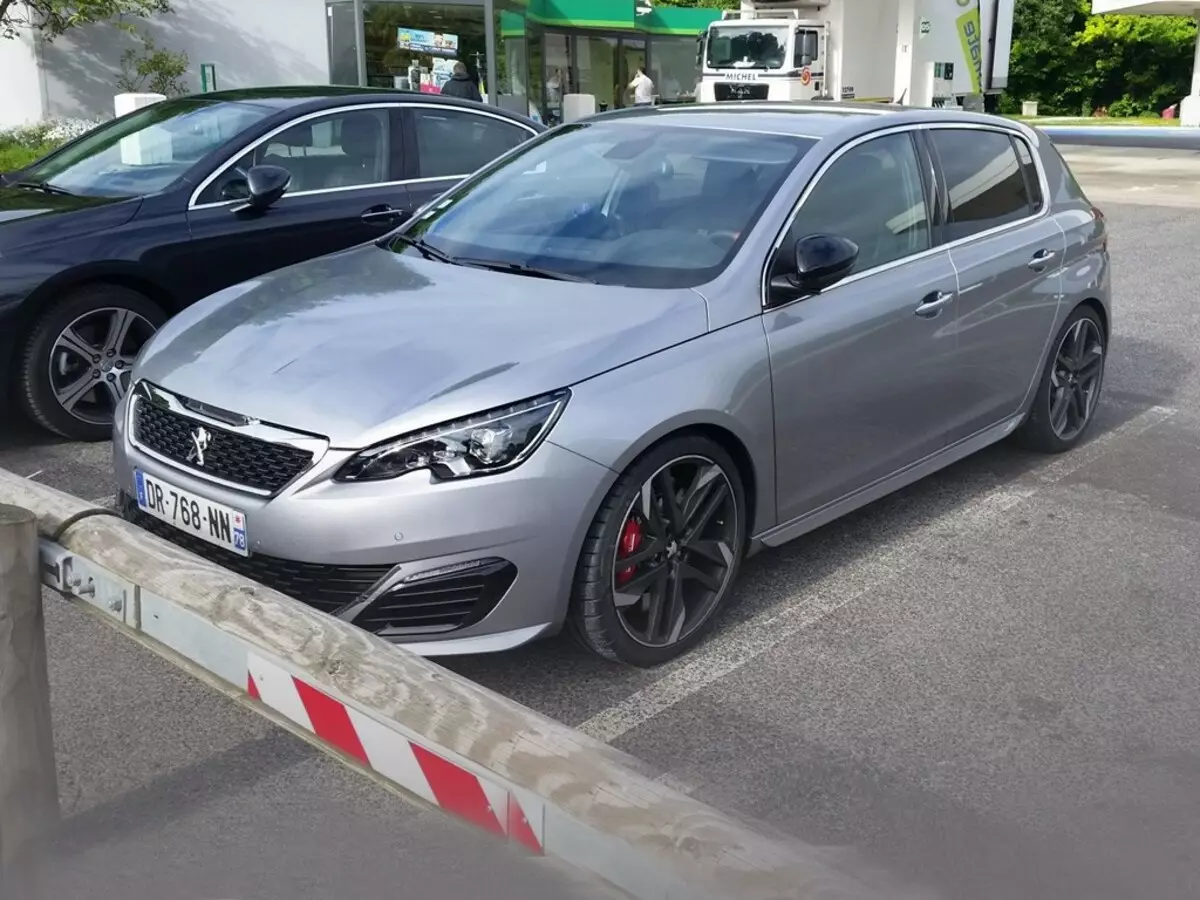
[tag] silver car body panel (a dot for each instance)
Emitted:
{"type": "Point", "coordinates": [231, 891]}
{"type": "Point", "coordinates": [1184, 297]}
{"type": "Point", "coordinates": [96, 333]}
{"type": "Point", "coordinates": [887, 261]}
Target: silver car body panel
{"type": "Point", "coordinates": [829, 402]}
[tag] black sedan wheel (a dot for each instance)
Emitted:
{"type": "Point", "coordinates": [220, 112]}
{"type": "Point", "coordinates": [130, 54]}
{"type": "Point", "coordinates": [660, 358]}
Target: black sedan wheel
{"type": "Point", "coordinates": [661, 555]}
{"type": "Point", "coordinates": [77, 362]}
{"type": "Point", "coordinates": [1069, 392]}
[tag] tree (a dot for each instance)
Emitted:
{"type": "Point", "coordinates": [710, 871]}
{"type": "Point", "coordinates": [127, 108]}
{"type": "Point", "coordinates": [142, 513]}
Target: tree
{"type": "Point", "coordinates": [151, 68]}
{"type": "Point", "coordinates": [1137, 65]}
{"type": "Point", "coordinates": [1073, 63]}
{"type": "Point", "coordinates": [51, 18]}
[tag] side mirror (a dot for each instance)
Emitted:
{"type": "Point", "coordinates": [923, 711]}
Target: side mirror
{"type": "Point", "coordinates": [264, 185]}
{"type": "Point", "coordinates": [805, 60]}
{"type": "Point", "coordinates": [822, 260]}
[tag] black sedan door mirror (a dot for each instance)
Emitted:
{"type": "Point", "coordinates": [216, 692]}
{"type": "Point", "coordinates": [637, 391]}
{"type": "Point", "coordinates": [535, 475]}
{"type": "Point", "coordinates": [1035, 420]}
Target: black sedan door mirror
{"type": "Point", "coordinates": [821, 261]}
{"type": "Point", "coordinates": [264, 185]}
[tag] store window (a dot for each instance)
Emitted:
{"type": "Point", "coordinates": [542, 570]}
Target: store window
{"type": "Point", "coordinates": [556, 75]}
{"type": "Point", "coordinates": [343, 50]}
{"type": "Point", "coordinates": [514, 89]}
{"type": "Point", "coordinates": [673, 68]}
{"type": "Point", "coordinates": [413, 46]}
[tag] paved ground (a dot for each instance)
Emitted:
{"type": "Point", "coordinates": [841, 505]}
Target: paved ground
{"type": "Point", "coordinates": [987, 683]}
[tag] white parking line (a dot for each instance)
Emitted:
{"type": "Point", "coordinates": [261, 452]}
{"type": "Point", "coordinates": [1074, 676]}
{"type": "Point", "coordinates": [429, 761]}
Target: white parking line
{"type": "Point", "coordinates": [729, 651]}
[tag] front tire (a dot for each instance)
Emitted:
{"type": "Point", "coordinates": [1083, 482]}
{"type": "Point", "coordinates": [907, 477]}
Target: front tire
{"type": "Point", "coordinates": [1069, 392]}
{"type": "Point", "coordinates": [76, 364]}
{"type": "Point", "coordinates": [661, 555]}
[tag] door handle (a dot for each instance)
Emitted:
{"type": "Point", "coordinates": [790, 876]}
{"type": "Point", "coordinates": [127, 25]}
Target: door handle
{"type": "Point", "coordinates": [932, 305]}
{"type": "Point", "coordinates": [384, 214]}
{"type": "Point", "coordinates": [1041, 259]}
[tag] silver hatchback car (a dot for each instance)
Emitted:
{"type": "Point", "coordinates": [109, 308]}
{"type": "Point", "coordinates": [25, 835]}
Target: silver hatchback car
{"type": "Point", "coordinates": [578, 389]}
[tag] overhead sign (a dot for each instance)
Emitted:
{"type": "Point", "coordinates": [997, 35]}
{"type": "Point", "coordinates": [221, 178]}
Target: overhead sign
{"type": "Point", "coordinates": [434, 42]}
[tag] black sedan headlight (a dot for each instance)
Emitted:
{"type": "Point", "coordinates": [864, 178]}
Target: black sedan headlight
{"type": "Point", "coordinates": [480, 445]}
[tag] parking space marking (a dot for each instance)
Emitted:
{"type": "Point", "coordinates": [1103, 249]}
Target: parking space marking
{"type": "Point", "coordinates": [727, 652]}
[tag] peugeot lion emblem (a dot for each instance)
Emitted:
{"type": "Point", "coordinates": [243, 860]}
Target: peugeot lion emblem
{"type": "Point", "coordinates": [200, 441]}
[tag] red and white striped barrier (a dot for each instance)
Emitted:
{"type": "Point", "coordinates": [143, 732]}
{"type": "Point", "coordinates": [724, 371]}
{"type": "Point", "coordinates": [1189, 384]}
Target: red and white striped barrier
{"type": "Point", "coordinates": [505, 812]}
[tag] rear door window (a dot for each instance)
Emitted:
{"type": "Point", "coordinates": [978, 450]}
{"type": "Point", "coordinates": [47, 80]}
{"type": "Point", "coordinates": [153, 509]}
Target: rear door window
{"type": "Point", "coordinates": [453, 143]}
{"type": "Point", "coordinates": [986, 183]}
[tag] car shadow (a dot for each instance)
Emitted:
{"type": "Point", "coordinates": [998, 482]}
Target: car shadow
{"type": "Point", "coordinates": [564, 681]}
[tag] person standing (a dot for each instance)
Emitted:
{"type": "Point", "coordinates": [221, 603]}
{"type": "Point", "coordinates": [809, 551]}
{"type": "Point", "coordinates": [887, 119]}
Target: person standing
{"type": "Point", "coordinates": [461, 85]}
{"type": "Point", "coordinates": [642, 87]}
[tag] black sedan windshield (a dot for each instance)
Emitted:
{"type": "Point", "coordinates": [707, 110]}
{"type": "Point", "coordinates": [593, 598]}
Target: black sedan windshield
{"type": "Point", "coordinates": [617, 202]}
{"type": "Point", "coordinates": [144, 152]}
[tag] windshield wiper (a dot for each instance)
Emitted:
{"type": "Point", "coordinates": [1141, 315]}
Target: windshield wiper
{"type": "Point", "coordinates": [499, 265]}
{"type": "Point", "coordinates": [45, 187]}
{"type": "Point", "coordinates": [427, 251]}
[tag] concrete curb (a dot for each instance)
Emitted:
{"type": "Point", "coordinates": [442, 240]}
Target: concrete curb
{"type": "Point", "coordinates": [453, 743]}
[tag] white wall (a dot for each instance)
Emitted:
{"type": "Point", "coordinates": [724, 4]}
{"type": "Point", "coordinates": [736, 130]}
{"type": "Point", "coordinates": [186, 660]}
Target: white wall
{"type": "Point", "coordinates": [20, 82]}
{"type": "Point", "coordinates": [251, 42]}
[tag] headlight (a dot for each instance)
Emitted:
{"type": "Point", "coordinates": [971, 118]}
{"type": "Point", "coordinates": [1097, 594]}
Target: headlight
{"type": "Point", "coordinates": [481, 445]}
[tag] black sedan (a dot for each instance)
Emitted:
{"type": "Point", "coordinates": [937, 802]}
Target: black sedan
{"type": "Point", "coordinates": [107, 237]}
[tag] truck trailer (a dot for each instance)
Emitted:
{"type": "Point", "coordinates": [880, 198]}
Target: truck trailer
{"type": "Point", "coordinates": [918, 52]}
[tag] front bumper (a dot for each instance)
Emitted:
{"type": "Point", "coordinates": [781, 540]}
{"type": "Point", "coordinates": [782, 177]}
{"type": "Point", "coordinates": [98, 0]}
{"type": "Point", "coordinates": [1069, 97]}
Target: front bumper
{"type": "Point", "coordinates": [480, 565]}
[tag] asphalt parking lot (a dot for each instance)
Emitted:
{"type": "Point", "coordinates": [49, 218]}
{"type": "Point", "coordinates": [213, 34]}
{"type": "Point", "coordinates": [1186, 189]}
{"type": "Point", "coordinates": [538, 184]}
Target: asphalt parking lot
{"type": "Point", "coordinates": [986, 683]}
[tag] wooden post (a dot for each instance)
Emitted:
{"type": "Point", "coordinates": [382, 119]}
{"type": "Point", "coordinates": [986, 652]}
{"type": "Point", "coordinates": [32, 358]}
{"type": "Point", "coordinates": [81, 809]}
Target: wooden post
{"type": "Point", "coordinates": [28, 780]}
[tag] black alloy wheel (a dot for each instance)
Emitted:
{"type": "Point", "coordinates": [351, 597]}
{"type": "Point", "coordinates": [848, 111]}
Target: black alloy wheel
{"type": "Point", "coordinates": [1075, 379]}
{"type": "Point", "coordinates": [662, 554]}
{"type": "Point", "coordinates": [1066, 400]}
{"type": "Point", "coordinates": [78, 362]}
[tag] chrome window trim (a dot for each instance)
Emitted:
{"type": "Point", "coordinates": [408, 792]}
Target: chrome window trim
{"type": "Point", "coordinates": [307, 117]}
{"type": "Point", "coordinates": [1043, 212]}
{"type": "Point", "coordinates": [143, 391]}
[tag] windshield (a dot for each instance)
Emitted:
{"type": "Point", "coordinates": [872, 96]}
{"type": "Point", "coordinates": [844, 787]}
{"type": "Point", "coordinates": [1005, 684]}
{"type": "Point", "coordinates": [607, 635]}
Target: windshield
{"type": "Point", "coordinates": [618, 202]}
{"type": "Point", "coordinates": [746, 47]}
{"type": "Point", "coordinates": [144, 152]}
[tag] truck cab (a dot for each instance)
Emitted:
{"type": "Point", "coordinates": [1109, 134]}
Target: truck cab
{"type": "Point", "coordinates": [763, 54]}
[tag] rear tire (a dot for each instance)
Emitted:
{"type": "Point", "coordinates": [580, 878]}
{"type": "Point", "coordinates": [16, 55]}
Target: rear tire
{"type": "Point", "coordinates": [76, 362]}
{"type": "Point", "coordinates": [686, 551]}
{"type": "Point", "coordinates": [1064, 405]}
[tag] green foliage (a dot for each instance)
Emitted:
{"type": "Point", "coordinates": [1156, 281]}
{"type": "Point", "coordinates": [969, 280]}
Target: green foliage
{"type": "Point", "coordinates": [148, 67]}
{"type": "Point", "coordinates": [701, 4]}
{"type": "Point", "coordinates": [18, 156]}
{"type": "Point", "coordinates": [54, 17]}
{"type": "Point", "coordinates": [1074, 63]}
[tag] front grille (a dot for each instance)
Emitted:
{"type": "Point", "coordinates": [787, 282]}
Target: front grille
{"type": "Point", "coordinates": [328, 588]}
{"type": "Point", "coordinates": [722, 91]}
{"type": "Point", "coordinates": [232, 457]}
{"type": "Point", "coordinates": [440, 603]}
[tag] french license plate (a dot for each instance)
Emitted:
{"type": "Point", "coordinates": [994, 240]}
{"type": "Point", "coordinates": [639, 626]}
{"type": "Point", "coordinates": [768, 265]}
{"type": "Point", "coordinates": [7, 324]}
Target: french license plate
{"type": "Point", "coordinates": [212, 522]}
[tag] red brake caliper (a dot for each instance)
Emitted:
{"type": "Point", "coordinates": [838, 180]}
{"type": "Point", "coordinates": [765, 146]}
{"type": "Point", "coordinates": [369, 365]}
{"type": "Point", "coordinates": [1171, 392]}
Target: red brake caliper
{"type": "Point", "coordinates": [631, 539]}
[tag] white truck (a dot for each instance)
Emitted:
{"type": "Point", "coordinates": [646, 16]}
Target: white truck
{"type": "Point", "coordinates": [918, 52]}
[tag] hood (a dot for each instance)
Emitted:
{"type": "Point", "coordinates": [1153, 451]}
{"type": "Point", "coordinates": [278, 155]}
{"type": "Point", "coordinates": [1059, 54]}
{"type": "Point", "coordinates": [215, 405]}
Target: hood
{"type": "Point", "coordinates": [366, 345]}
{"type": "Point", "coordinates": [460, 76]}
{"type": "Point", "coordinates": [29, 216]}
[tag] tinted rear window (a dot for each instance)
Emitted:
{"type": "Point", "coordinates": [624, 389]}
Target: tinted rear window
{"type": "Point", "coordinates": [986, 183]}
